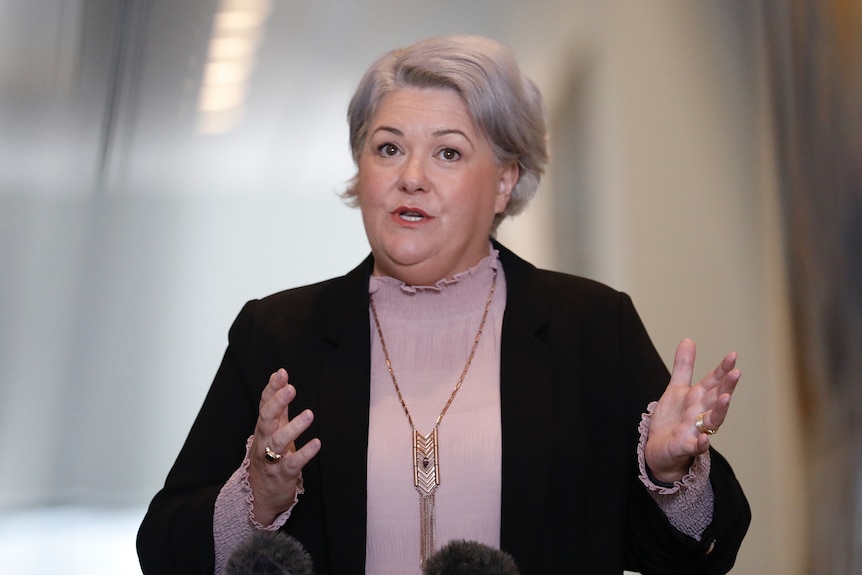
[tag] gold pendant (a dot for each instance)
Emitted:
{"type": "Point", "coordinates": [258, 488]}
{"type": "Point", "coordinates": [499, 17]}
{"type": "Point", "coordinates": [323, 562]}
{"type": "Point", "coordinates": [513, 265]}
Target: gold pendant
{"type": "Point", "coordinates": [426, 478]}
{"type": "Point", "coordinates": [426, 475]}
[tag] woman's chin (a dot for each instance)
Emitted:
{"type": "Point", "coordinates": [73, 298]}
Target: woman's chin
{"type": "Point", "coordinates": [402, 265]}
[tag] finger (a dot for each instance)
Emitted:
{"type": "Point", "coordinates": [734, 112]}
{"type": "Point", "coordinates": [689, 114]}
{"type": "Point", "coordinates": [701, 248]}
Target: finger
{"type": "Point", "coordinates": [276, 381]}
{"type": "Point", "coordinates": [300, 458]}
{"type": "Point", "coordinates": [285, 436]}
{"type": "Point", "coordinates": [683, 364]}
{"type": "Point", "coordinates": [272, 413]}
{"type": "Point", "coordinates": [718, 375]}
{"type": "Point", "coordinates": [275, 409]}
{"type": "Point", "coordinates": [719, 387]}
{"type": "Point", "coordinates": [729, 382]}
{"type": "Point", "coordinates": [714, 418]}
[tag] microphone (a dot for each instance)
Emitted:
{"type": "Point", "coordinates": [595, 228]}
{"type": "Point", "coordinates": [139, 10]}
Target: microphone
{"type": "Point", "coordinates": [462, 557]}
{"type": "Point", "coordinates": [269, 553]}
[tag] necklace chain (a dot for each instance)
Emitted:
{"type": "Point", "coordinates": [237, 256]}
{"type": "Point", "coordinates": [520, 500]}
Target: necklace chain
{"type": "Point", "coordinates": [463, 372]}
{"type": "Point", "coordinates": [426, 469]}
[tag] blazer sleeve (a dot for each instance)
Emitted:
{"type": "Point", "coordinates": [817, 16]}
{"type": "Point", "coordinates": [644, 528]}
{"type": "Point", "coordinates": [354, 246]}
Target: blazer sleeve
{"type": "Point", "coordinates": [654, 545]}
{"type": "Point", "coordinates": [176, 535]}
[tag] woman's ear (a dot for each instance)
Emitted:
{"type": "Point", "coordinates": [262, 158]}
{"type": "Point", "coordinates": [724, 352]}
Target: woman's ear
{"type": "Point", "coordinates": [508, 178]}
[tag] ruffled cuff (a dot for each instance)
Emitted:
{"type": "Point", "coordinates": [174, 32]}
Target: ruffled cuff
{"type": "Point", "coordinates": [233, 518]}
{"type": "Point", "coordinates": [687, 503]}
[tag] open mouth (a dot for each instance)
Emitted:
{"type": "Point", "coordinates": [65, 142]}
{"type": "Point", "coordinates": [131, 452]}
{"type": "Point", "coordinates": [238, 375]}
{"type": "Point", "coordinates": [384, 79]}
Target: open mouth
{"type": "Point", "coordinates": [411, 214]}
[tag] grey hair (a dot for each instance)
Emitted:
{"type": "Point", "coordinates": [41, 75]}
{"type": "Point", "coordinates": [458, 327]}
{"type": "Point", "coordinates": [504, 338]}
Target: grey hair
{"type": "Point", "coordinates": [505, 105]}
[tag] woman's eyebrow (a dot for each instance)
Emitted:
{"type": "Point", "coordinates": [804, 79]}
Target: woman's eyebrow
{"type": "Point", "coordinates": [448, 131]}
{"type": "Point", "coordinates": [389, 129]}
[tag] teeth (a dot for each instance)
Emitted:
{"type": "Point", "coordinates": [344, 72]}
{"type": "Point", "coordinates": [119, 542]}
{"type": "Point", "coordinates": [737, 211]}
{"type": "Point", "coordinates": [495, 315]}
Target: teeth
{"type": "Point", "coordinates": [411, 216]}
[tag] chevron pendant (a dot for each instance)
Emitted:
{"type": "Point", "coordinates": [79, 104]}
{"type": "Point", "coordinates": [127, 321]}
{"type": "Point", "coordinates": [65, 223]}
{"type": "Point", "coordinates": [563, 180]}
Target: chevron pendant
{"type": "Point", "coordinates": [426, 473]}
{"type": "Point", "coordinates": [426, 478]}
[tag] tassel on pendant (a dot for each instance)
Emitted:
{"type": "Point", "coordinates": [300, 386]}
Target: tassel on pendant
{"type": "Point", "coordinates": [426, 527]}
{"type": "Point", "coordinates": [426, 478]}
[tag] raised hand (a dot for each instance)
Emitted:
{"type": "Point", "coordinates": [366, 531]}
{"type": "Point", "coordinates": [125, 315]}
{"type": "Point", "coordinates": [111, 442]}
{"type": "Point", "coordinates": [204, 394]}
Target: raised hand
{"type": "Point", "coordinates": [686, 414]}
{"type": "Point", "coordinates": [276, 465]}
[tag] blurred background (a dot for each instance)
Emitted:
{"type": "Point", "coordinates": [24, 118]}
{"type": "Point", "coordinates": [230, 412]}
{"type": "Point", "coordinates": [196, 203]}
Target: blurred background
{"type": "Point", "coordinates": [163, 161]}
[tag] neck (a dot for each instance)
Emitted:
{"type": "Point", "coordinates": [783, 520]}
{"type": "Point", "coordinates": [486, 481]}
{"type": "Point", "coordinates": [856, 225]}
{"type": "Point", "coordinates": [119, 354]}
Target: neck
{"type": "Point", "coordinates": [427, 273]}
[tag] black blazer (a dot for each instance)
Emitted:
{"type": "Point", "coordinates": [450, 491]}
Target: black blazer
{"type": "Point", "coordinates": [577, 371]}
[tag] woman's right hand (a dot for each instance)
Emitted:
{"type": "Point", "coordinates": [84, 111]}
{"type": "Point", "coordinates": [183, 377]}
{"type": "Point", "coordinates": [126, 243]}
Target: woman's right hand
{"type": "Point", "coordinates": [274, 483]}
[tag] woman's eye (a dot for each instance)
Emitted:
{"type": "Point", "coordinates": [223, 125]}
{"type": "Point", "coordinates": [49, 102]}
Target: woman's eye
{"type": "Point", "coordinates": [449, 154]}
{"type": "Point", "coordinates": [388, 150]}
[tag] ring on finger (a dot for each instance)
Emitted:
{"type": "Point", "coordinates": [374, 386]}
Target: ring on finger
{"type": "Point", "coordinates": [271, 455]}
{"type": "Point", "coordinates": [701, 426]}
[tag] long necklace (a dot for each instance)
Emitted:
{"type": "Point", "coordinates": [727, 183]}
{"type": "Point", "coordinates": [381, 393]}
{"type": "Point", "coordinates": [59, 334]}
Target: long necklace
{"type": "Point", "coordinates": [426, 463]}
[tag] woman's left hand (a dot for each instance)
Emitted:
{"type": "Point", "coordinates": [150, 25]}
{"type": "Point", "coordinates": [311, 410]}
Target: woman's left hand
{"type": "Point", "coordinates": [686, 414]}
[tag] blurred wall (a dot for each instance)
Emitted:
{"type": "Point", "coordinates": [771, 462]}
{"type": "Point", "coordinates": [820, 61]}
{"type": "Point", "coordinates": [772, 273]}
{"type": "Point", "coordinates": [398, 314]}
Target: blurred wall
{"type": "Point", "coordinates": [130, 235]}
{"type": "Point", "coordinates": [816, 69]}
{"type": "Point", "coordinates": [664, 185]}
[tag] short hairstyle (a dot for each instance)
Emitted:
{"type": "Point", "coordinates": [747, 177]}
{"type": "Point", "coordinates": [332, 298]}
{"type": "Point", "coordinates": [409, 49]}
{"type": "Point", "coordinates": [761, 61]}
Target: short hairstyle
{"type": "Point", "coordinates": [506, 105]}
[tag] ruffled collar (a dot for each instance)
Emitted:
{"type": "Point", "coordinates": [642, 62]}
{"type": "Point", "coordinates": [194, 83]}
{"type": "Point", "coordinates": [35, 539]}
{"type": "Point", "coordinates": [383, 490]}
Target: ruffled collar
{"type": "Point", "coordinates": [490, 262]}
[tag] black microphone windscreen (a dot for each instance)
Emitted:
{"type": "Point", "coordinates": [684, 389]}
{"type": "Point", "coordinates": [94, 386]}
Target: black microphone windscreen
{"type": "Point", "coordinates": [461, 557]}
{"type": "Point", "coordinates": [269, 553]}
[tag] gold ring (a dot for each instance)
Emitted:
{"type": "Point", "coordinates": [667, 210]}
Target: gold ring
{"type": "Point", "coordinates": [271, 455]}
{"type": "Point", "coordinates": [701, 427]}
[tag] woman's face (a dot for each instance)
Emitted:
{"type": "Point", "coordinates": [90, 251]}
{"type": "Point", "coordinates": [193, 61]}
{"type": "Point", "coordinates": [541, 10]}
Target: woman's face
{"type": "Point", "coordinates": [429, 186]}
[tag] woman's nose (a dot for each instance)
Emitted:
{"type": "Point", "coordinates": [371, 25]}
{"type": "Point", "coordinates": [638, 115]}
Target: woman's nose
{"type": "Point", "coordinates": [414, 178]}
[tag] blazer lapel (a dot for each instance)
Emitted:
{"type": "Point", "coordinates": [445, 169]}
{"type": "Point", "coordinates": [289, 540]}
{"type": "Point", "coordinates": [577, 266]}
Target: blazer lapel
{"type": "Point", "coordinates": [343, 420]}
{"type": "Point", "coordinates": [526, 397]}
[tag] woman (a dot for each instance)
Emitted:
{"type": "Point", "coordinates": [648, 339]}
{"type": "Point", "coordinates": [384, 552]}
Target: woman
{"type": "Point", "coordinates": [445, 388]}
